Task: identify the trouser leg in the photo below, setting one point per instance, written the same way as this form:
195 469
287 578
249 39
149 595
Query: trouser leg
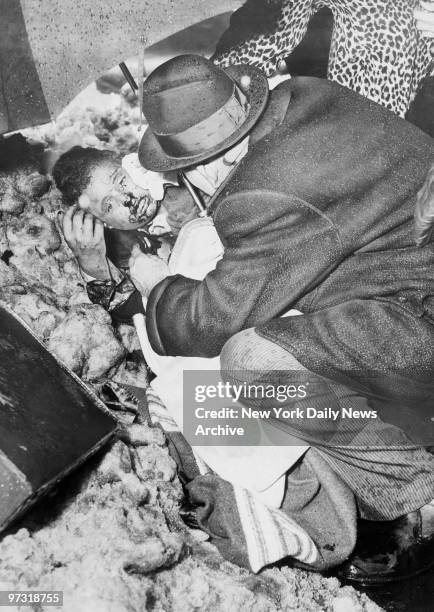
388 474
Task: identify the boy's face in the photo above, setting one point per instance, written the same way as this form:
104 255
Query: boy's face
115 199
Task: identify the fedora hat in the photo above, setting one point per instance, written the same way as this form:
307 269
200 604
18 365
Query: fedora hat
196 110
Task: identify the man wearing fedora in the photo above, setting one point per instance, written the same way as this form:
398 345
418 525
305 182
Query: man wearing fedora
313 190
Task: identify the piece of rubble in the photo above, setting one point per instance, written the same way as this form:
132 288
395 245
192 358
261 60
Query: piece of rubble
132 371
142 435
86 342
155 554
129 337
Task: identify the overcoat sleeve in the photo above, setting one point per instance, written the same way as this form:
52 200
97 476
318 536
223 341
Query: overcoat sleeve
266 267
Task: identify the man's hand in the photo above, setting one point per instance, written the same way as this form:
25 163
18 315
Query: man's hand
424 211
84 235
146 271
179 206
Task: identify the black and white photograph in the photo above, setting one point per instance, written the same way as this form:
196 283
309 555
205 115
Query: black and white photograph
217 305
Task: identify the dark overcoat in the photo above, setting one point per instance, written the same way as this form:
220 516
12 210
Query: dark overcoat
318 216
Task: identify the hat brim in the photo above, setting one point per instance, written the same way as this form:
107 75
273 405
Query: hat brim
153 157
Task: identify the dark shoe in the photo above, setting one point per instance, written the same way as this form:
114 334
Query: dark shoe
393 550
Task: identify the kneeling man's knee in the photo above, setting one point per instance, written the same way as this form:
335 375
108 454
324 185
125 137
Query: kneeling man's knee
238 351
247 350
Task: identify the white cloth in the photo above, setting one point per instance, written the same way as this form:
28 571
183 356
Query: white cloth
260 469
154 182
276 79
210 175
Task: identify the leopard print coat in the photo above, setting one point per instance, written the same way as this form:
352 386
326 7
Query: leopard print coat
376 49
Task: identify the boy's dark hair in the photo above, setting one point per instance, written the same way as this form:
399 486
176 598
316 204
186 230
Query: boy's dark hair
71 172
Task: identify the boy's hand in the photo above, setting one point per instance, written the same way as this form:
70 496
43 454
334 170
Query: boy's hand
84 235
146 271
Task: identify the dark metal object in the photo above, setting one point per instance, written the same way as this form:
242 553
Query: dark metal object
129 77
141 77
49 422
192 191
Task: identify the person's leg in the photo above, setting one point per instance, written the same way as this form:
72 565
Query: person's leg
243 528
389 475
